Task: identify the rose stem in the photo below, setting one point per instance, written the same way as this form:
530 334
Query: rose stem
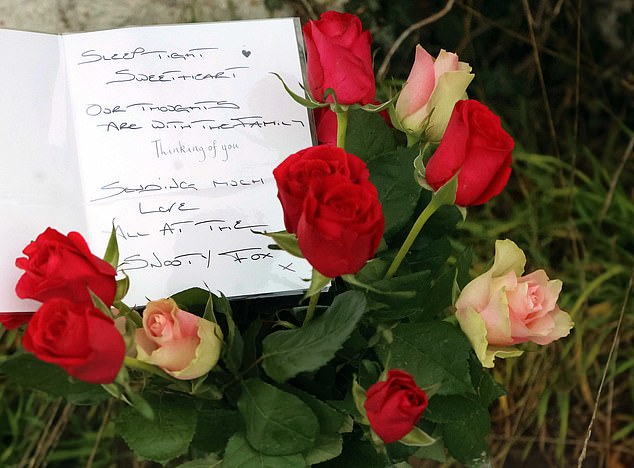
342 127
312 305
429 210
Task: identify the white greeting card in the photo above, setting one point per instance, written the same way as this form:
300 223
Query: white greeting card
169 133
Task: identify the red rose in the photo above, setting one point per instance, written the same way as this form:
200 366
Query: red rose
394 407
476 145
294 175
12 320
63 266
326 125
341 225
77 337
339 57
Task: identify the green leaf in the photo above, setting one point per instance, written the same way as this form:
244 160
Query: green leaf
233 348
387 308
398 191
440 295
286 241
192 300
430 254
327 447
215 427
435 353
140 404
486 388
112 250
32 374
435 451
368 135
277 422
210 461
356 453
289 352
463 265
165 437
464 425
239 454
331 420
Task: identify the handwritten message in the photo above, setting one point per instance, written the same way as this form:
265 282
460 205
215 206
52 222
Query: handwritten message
176 131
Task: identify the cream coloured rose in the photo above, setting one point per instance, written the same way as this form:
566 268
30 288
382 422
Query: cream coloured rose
182 344
432 89
501 308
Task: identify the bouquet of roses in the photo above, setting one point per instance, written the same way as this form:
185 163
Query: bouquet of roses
383 361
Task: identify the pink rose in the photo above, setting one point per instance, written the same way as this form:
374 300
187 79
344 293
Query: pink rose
182 344
501 307
430 92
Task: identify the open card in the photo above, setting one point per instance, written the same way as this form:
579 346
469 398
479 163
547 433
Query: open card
169 133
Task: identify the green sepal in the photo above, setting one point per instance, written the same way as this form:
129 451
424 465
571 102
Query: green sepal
419 167
209 309
123 285
99 304
335 106
446 195
417 438
309 102
285 241
379 107
130 314
112 250
358 395
317 283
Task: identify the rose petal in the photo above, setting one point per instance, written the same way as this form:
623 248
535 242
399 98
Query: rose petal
508 257
418 87
450 88
207 352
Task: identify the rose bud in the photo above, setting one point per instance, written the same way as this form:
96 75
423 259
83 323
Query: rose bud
77 337
394 406
182 344
294 175
63 266
501 307
476 145
341 225
339 57
430 92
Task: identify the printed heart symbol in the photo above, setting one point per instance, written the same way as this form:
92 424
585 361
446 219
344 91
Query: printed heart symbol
246 53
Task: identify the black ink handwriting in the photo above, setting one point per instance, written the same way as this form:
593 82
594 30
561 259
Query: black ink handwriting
117 189
176 206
